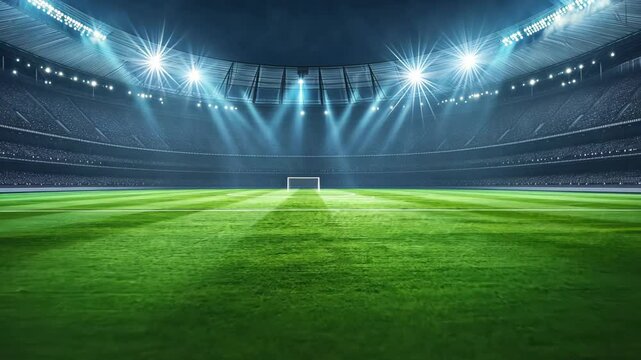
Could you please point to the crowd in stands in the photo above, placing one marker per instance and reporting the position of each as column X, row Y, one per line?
column 605, row 149
column 625, row 178
column 117, row 123
column 143, row 125
column 19, row 179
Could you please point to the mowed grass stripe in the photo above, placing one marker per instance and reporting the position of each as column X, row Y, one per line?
column 137, row 273
column 477, row 203
column 509, row 198
column 287, row 276
column 561, row 199
column 101, row 224
column 204, row 198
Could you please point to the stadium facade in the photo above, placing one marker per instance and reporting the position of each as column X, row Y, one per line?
column 542, row 103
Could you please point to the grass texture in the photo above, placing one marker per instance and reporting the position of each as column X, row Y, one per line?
column 340, row 274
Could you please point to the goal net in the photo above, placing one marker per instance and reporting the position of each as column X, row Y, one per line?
column 303, row 183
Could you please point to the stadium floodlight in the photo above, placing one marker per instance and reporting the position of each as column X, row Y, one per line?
column 415, row 76
column 154, row 62
column 540, row 24
column 67, row 20
column 468, row 62
column 193, row 76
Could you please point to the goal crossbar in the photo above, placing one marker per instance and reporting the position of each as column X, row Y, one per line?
column 316, row 178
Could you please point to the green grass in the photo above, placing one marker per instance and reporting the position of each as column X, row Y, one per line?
column 351, row 274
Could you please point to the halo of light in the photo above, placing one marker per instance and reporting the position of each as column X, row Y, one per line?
column 468, row 61
column 193, row 76
column 154, row 62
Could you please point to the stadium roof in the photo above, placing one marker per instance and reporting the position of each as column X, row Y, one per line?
column 120, row 57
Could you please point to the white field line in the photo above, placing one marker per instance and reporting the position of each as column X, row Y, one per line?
column 327, row 209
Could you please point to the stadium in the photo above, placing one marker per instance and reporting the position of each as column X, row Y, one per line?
column 377, row 183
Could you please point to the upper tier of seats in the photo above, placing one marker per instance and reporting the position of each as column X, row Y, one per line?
column 253, row 130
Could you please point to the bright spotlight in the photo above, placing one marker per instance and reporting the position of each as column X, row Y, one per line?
column 302, row 113
column 93, row 83
column 415, row 77
column 532, row 82
column 48, row 70
column 154, row 62
column 15, row 72
column 301, row 81
column 568, row 71
column 326, row 112
column 612, row 54
column 468, row 62
column 194, row 76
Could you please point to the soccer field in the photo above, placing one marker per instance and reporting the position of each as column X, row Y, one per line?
column 352, row 274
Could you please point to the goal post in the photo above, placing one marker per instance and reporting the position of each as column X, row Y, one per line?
column 303, row 182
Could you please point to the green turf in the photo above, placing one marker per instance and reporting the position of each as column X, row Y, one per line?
column 351, row 274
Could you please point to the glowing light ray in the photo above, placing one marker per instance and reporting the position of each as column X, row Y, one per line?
column 152, row 66
column 470, row 60
column 415, row 77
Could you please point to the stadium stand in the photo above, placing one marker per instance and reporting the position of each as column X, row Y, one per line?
column 93, row 132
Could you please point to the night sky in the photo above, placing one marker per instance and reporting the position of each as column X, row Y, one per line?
column 310, row 32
